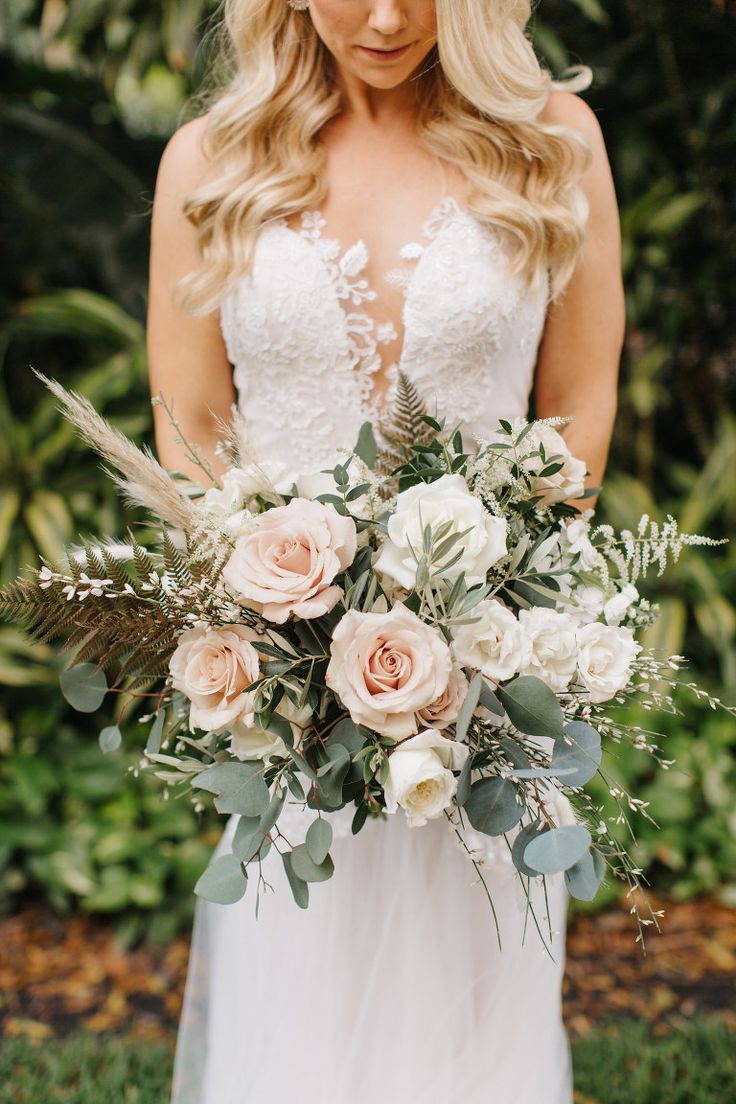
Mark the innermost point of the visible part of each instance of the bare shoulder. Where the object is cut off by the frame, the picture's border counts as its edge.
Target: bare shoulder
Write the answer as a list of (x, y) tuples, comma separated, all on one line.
[(185, 161), (569, 110)]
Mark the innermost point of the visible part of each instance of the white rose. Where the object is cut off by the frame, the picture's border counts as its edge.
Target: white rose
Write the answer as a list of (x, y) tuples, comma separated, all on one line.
[(420, 777), (569, 482), (494, 642), (587, 602), (553, 651), (446, 500), (616, 607), (212, 667), (385, 667), (250, 741), (605, 655)]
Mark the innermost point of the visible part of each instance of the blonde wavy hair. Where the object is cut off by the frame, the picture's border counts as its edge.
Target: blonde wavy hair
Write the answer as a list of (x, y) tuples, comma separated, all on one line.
[(479, 92)]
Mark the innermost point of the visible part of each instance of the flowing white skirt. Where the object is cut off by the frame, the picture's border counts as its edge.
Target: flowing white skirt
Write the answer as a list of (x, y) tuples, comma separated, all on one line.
[(390, 987)]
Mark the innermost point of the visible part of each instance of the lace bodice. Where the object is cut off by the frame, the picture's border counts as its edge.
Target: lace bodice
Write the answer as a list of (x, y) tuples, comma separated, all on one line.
[(306, 352)]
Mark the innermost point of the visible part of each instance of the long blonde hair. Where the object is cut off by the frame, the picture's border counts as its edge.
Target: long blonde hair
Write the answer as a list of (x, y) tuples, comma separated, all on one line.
[(479, 94)]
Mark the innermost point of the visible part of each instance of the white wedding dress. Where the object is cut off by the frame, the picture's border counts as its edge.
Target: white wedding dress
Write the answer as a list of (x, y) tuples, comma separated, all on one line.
[(391, 986)]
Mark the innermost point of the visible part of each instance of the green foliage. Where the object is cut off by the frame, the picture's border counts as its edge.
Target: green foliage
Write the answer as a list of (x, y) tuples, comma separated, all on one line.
[(75, 829)]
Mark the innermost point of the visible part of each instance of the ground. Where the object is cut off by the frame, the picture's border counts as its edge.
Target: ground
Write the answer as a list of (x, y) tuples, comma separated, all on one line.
[(58, 974)]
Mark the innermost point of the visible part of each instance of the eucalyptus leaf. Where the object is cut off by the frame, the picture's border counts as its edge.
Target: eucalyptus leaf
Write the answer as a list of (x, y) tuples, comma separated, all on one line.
[(299, 887), (110, 739), (581, 757), (307, 869), (532, 707), (84, 686), (584, 878), (558, 849), (463, 783), (489, 700), (224, 881), (525, 836), (240, 787), (273, 811), (319, 839), (493, 806), (246, 837), (469, 703), (347, 733)]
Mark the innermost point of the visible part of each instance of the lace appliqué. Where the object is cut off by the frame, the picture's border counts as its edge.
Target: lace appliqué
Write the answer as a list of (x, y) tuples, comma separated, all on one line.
[(306, 354)]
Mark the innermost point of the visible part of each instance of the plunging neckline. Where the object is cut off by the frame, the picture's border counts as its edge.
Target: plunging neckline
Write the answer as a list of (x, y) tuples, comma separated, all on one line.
[(343, 266)]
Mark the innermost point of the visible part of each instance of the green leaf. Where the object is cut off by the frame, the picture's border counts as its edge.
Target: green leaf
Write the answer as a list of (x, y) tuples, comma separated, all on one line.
[(319, 839), (110, 739), (84, 686), (579, 758), (558, 849), (307, 869), (349, 734), (240, 787), (584, 878), (359, 819), (250, 840), (463, 783), (532, 707), (273, 811), (493, 806), (489, 700), (224, 881), (525, 836), (299, 887), (469, 703), (153, 744)]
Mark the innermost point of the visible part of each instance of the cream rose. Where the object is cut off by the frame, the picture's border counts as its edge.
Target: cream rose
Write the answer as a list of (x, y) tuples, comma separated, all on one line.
[(212, 667), (620, 603), (287, 563), (420, 777), (250, 741), (494, 643), (605, 656), (586, 603), (446, 500), (385, 667), (569, 482), (444, 710), (552, 653)]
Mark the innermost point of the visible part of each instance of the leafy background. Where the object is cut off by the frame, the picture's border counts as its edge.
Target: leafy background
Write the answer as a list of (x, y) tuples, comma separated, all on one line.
[(91, 90)]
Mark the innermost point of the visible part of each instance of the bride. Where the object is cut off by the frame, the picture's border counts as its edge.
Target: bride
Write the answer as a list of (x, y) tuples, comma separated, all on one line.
[(381, 183)]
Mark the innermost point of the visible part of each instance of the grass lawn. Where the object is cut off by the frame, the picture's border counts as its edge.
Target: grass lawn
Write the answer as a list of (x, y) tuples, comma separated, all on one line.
[(625, 1064)]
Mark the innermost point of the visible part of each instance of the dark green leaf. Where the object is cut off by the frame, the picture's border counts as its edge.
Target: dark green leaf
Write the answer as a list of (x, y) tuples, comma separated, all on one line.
[(493, 806)]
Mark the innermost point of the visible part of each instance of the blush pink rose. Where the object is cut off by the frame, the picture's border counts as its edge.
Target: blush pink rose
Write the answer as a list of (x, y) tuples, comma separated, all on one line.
[(445, 709), (288, 560), (211, 667), (385, 667)]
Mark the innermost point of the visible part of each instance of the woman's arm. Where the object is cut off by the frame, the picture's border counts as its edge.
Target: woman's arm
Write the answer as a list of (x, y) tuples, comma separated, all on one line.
[(187, 361), (577, 368)]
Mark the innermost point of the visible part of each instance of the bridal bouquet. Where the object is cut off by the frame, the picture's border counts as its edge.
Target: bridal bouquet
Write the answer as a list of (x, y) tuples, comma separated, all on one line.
[(422, 631)]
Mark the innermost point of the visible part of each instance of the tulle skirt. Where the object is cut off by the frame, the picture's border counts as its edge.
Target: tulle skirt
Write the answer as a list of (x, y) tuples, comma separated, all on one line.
[(390, 987)]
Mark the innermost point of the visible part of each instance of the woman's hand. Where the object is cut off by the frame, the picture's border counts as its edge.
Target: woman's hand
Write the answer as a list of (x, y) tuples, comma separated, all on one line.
[(578, 364)]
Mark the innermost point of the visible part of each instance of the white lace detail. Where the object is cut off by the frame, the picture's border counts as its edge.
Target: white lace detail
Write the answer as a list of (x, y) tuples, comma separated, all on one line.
[(306, 356)]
